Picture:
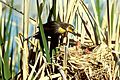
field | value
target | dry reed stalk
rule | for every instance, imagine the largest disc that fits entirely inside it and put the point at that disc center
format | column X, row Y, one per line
column 25, row 44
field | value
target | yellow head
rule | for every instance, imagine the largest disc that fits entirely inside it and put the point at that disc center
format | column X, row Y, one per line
column 65, row 27
column 61, row 30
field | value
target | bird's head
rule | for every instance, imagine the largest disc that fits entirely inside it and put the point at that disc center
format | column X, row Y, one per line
column 70, row 28
column 65, row 27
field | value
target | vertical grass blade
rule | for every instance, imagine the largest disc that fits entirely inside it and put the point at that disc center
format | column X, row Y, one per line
column 0, row 22
column 25, row 44
column 7, row 32
column 61, row 10
column 108, row 18
column 112, row 17
column 98, row 11
column 42, row 33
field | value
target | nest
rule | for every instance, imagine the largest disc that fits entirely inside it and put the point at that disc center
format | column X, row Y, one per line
column 98, row 64
column 79, row 64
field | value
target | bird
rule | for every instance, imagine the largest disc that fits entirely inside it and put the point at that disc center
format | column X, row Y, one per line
column 54, row 29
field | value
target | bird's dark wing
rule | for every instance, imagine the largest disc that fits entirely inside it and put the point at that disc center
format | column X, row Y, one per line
column 51, row 28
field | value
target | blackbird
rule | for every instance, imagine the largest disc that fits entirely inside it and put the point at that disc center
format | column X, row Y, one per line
column 54, row 29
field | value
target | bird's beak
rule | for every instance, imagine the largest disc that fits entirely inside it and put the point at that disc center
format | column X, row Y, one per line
column 70, row 29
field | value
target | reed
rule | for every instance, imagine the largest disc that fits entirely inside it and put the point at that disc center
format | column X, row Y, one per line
column 98, row 26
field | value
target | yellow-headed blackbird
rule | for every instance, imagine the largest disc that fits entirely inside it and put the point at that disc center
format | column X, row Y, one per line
column 54, row 30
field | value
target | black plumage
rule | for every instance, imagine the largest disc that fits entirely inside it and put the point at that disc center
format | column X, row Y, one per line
column 54, row 30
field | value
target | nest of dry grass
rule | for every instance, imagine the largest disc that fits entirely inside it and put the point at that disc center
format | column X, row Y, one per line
column 98, row 64
column 81, row 64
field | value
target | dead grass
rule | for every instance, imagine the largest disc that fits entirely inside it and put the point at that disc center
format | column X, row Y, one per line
column 97, row 65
